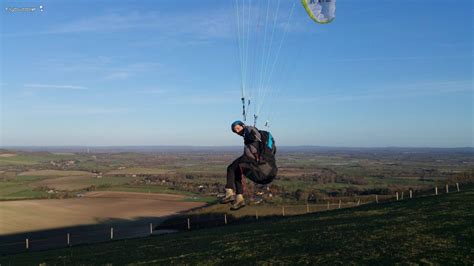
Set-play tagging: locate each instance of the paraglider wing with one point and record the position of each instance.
(321, 11)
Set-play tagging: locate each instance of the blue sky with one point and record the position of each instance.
(384, 73)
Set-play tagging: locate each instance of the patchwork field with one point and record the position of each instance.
(314, 175)
(71, 183)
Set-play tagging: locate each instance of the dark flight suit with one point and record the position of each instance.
(249, 164)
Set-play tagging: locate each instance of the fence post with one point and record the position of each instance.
(397, 195)
(111, 233)
(307, 208)
(339, 204)
(402, 194)
(358, 202)
(68, 240)
(151, 228)
(225, 218)
(447, 188)
(436, 190)
(27, 243)
(189, 224)
(376, 198)
(283, 210)
(411, 193)
(457, 186)
(328, 205)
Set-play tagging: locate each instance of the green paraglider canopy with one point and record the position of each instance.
(321, 11)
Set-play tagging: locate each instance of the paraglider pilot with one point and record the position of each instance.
(257, 163)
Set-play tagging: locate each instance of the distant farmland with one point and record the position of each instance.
(87, 194)
(94, 207)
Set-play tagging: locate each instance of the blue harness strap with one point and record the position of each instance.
(270, 141)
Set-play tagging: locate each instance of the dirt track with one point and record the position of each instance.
(93, 208)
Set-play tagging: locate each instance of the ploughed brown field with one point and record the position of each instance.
(94, 207)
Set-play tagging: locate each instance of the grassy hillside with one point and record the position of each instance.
(436, 229)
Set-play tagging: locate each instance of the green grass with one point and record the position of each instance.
(190, 197)
(296, 184)
(205, 199)
(10, 190)
(28, 178)
(18, 160)
(429, 230)
(146, 189)
(35, 158)
(9, 187)
(397, 181)
(27, 194)
(138, 171)
(104, 181)
(55, 173)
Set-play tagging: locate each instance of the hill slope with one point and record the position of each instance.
(437, 229)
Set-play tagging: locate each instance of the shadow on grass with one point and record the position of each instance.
(403, 232)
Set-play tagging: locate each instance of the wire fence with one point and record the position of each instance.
(61, 238)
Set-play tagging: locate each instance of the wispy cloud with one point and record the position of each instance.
(127, 71)
(416, 89)
(60, 87)
(76, 110)
(177, 97)
(153, 91)
(208, 24)
(401, 58)
(103, 67)
(117, 75)
(200, 100)
(199, 27)
(88, 110)
(106, 22)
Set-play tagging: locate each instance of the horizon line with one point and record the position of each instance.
(229, 146)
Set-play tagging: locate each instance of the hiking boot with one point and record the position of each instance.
(238, 203)
(229, 196)
(256, 200)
